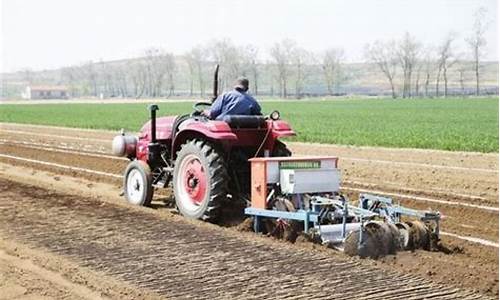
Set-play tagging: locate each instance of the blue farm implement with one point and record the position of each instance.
(303, 193)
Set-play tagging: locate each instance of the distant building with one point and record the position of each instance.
(46, 92)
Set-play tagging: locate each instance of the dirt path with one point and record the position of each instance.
(181, 260)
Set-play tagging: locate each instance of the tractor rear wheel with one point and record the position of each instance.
(281, 150)
(137, 183)
(200, 181)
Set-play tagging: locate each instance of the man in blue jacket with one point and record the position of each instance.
(235, 102)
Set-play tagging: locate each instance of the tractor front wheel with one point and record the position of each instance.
(137, 183)
(200, 181)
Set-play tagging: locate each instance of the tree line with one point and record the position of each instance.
(410, 68)
(420, 64)
(160, 73)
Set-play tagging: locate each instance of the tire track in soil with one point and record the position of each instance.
(182, 260)
(429, 157)
(392, 186)
(350, 182)
(82, 161)
(475, 266)
(481, 224)
(473, 255)
(432, 178)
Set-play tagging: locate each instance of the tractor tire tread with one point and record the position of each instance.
(218, 182)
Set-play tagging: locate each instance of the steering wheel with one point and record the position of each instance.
(198, 107)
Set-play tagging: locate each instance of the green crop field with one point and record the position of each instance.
(448, 124)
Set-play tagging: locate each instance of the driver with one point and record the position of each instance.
(235, 102)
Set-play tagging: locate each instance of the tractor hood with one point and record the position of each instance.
(163, 128)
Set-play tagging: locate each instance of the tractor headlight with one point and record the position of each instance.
(275, 115)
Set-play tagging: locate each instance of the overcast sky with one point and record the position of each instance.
(40, 34)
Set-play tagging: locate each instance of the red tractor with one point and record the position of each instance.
(205, 160)
(214, 165)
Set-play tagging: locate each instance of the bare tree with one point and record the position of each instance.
(91, 76)
(282, 53)
(159, 68)
(191, 64)
(71, 76)
(120, 76)
(301, 59)
(477, 41)
(419, 65)
(149, 63)
(229, 58)
(251, 65)
(137, 71)
(105, 78)
(384, 56)
(154, 74)
(444, 62)
(273, 76)
(168, 63)
(331, 63)
(462, 69)
(425, 68)
(408, 50)
(196, 58)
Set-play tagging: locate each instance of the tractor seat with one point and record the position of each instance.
(244, 121)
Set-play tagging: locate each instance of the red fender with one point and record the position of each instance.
(212, 130)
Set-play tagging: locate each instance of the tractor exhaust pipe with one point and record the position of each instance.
(154, 156)
(216, 83)
(153, 108)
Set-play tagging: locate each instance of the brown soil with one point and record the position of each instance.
(482, 277)
(93, 163)
(424, 178)
(435, 157)
(191, 259)
(461, 265)
(246, 225)
(474, 266)
(27, 273)
(460, 220)
(434, 174)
